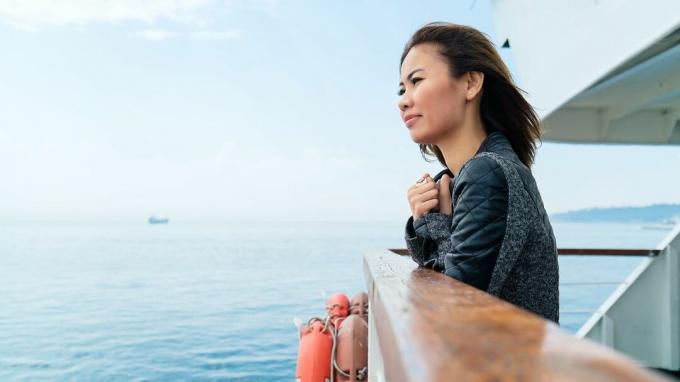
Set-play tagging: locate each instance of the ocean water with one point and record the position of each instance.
(214, 302)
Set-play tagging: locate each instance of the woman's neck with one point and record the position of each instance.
(462, 145)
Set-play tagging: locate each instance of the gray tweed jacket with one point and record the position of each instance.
(499, 238)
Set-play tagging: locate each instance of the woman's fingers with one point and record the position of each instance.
(425, 187)
(424, 207)
(423, 196)
(426, 178)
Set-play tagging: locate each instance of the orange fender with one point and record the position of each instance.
(359, 305)
(314, 354)
(337, 306)
(351, 353)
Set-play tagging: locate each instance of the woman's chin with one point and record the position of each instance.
(420, 138)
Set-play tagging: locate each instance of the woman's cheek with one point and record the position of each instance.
(438, 126)
(424, 132)
(453, 115)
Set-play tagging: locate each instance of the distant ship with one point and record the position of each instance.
(158, 220)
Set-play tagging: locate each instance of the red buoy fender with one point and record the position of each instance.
(351, 353)
(314, 354)
(337, 306)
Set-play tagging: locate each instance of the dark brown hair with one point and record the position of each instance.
(502, 106)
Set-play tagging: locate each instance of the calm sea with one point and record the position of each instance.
(213, 302)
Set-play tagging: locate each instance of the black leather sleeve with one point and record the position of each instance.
(480, 198)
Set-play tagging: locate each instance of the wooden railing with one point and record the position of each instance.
(608, 252)
(583, 252)
(426, 326)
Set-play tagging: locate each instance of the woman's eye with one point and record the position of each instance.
(414, 80)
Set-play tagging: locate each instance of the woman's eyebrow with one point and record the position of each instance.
(411, 74)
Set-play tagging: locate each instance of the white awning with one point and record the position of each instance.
(605, 71)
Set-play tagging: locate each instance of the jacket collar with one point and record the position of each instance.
(496, 142)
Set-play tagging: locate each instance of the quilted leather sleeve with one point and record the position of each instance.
(480, 198)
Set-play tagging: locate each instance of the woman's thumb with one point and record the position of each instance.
(445, 194)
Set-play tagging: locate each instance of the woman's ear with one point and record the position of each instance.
(475, 80)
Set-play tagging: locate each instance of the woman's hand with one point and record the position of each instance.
(445, 204)
(428, 195)
(423, 196)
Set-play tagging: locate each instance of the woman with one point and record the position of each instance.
(481, 220)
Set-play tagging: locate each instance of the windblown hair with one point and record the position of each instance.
(502, 105)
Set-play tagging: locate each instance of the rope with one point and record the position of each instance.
(361, 374)
(334, 365)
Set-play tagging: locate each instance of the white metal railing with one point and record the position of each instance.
(642, 317)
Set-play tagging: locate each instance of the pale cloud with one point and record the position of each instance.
(161, 34)
(194, 15)
(35, 14)
(156, 34)
(267, 6)
(215, 35)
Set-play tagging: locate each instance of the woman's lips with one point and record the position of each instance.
(409, 122)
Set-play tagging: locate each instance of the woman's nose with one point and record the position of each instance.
(404, 102)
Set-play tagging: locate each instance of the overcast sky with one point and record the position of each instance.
(243, 110)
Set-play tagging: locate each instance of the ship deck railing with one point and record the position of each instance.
(426, 326)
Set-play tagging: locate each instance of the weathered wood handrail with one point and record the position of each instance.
(607, 252)
(583, 252)
(426, 326)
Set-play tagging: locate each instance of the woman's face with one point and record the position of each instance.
(431, 94)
